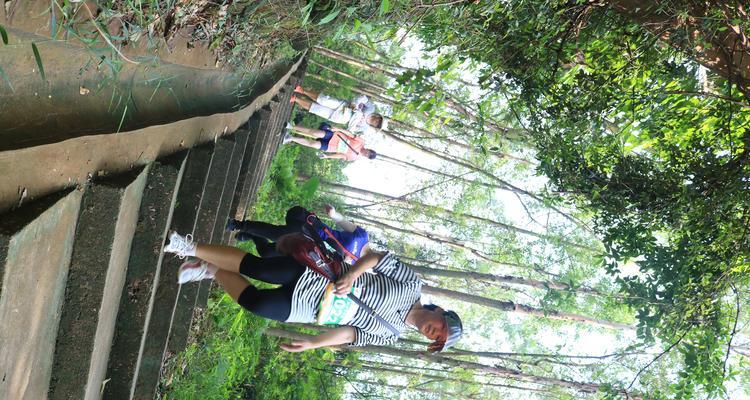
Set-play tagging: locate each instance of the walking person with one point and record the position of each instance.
(353, 238)
(336, 143)
(358, 116)
(390, 295)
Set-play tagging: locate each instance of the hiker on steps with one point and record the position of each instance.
(334, 142)
(388, 300)
(358, 116)
(353, 238)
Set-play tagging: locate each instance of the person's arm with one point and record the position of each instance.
(345, 282)
(342, 130)
(333, 155)
(339, 219)
(360, 102)
(390, 266)
(334, 337)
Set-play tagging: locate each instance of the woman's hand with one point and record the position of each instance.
(329, 210)
(297, 345)
(344, 284)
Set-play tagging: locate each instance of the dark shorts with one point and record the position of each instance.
(325, 139)
(274, 303)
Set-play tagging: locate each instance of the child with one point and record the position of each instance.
(359, 116)
(353, 238)
(334, 142)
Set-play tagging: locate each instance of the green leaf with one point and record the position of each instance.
(385, 5)
(330, 17)
(306, 10)
(38, 60)
(4, 35)
(53, 19)
(124, 112)
(308, 188)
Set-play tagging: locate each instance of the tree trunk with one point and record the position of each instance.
(729, 53)
(360, 82)
(406, 164)
(509, 279)
(490, 176)
(585, 387)
(453, 214)
(509, 306)
(360, 91)
(456, 244)
(380, 369)
(450, 99)
(520, 357)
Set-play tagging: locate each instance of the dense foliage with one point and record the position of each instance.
(632, 130)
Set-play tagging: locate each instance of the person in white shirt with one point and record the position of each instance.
(359, 115)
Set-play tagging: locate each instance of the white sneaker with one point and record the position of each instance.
(183, 246)
(287, 139)
(194, 271)
(289, 126)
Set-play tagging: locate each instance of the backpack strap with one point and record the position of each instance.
(346, 142)
(317, 225)
(310, 229)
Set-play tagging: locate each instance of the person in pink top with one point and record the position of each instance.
(333, 142)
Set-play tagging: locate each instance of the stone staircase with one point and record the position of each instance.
(89, 304)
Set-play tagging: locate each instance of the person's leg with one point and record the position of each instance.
(273, 304)
(309, 132)
(302, 102)
(224, 257)
(233, 283)
(314, 144)
(265, 248)
(284, 270)
(307, 92)
(265, 230)
(296, 216)
(330, 102)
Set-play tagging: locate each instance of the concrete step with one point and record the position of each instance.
(184, 216)
(109, 212)
(202, 233)
(240, 137)
(36, 242)
(144, 265)
(273, 136)
(262, 149)
(257, 125)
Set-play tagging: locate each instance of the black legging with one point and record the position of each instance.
(295, 218)
(265, 248)
(264, 235)
(276, 303)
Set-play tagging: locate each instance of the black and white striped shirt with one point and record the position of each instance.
(390, 292)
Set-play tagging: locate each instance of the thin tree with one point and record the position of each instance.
(453, 214)
(450, 99)
(375, 368)
(509, 373)
(510, 306)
